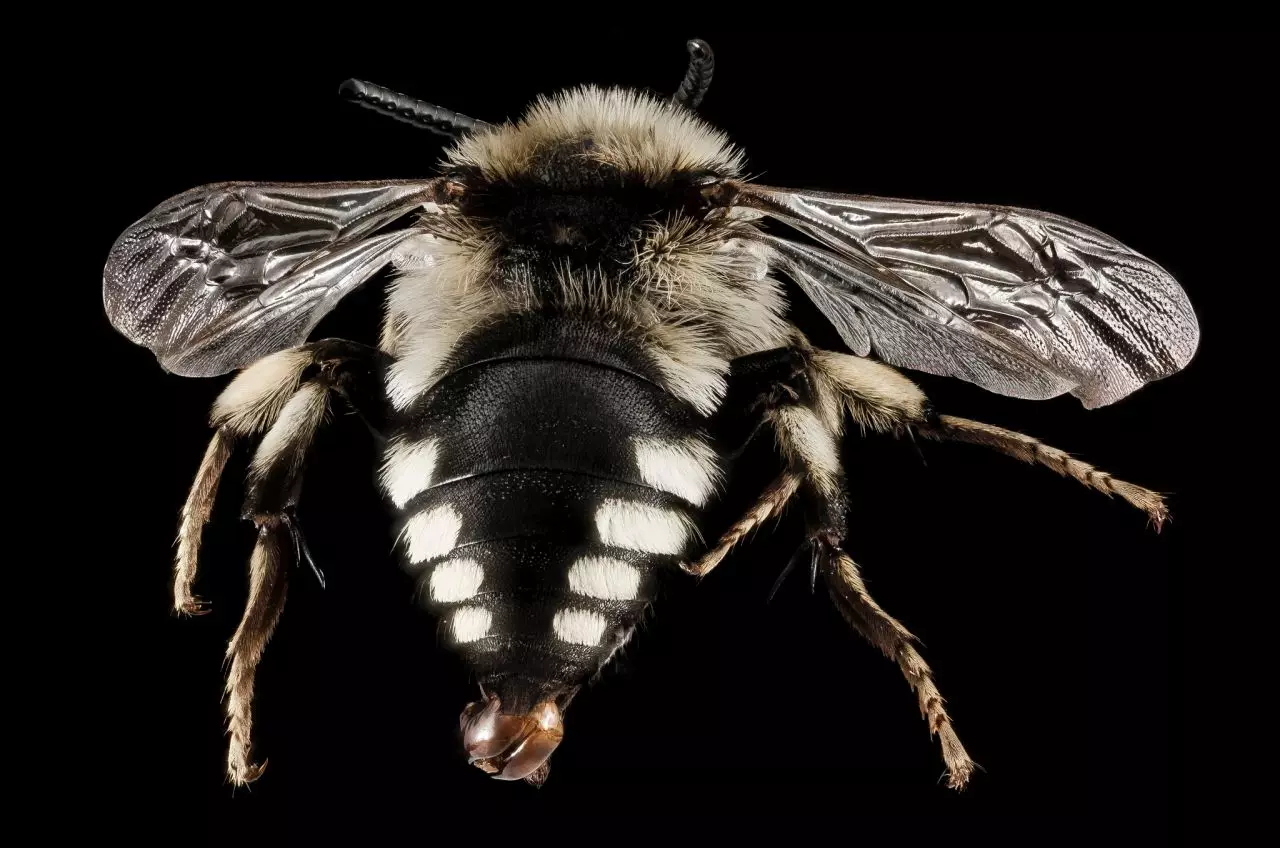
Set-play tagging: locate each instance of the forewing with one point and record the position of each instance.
(220, 276)
(908, 330)
(1045, 304)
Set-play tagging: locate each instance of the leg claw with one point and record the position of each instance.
(193, 606)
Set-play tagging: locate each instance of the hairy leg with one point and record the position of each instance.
(813, 449)
(879, 398)
(771, 502)
(284, 398)
(882, 630)
(195, 514)
(807, 425)
(1029, 449)
(268, 580)
(806, 396)
(249, 406)
(774, 389)
(275, 475)
(759, 385)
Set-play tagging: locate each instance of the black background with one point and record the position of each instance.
(1051, 615)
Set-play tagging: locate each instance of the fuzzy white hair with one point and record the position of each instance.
(630, 130)
(696, 293)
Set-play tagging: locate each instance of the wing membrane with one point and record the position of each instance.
(1047, 305)
(906, 329)
(219, 276)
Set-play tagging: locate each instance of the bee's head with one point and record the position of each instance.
(592, 138)
(583, 174)
(586, 174)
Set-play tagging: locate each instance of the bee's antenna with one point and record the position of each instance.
(702, 64)
(404, 108)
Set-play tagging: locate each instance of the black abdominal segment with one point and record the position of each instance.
(537, 502)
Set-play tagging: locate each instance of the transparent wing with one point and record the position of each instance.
(220, 276)
(1022, 303)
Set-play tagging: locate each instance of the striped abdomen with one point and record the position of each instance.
(542, 484)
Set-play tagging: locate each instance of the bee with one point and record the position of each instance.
(587, 325)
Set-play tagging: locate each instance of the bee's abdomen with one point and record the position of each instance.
(543, 486)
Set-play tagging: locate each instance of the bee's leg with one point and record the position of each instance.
(811, 448)
(248, 406)
(879, 398)
(268, 580)
(1029, 449)
(353, 372)
(770, 503)
(808, 430)
(758, 384)
(813, 472)
(275, 476)
(287, 396)
(195, 514)
(898, 644)
(775, 388)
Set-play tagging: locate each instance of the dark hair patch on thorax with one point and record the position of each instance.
(568, 206)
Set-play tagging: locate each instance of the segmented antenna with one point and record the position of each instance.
(702, 64)
(408, 109)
